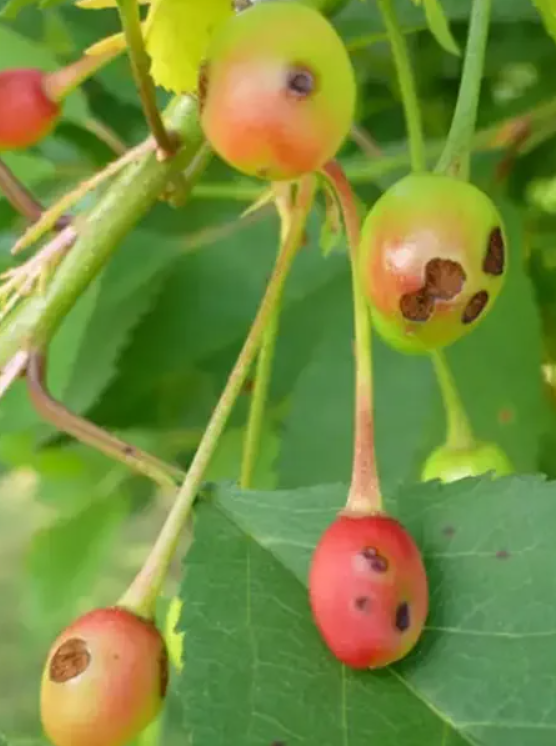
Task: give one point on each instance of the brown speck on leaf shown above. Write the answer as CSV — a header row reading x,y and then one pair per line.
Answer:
x,y
475,306
448,531
494,260
71,659
444,278
506,415
417,306
202,84
502,554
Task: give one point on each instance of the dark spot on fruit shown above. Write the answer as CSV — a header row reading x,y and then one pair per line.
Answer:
x,y
417,306
494,260
375,560
71,659
403,619
474,307
448,531
263,172
202,84
502,554
363,604
444,278
164,673
239,5
300,82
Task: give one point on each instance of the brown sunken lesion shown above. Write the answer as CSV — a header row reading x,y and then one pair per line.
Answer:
x,y
495,257
70,660
444,278
417,306
475,306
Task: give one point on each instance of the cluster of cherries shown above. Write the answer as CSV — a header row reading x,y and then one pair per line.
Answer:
x,y
277,97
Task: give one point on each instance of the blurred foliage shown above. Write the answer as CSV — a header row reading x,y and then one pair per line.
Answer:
x,y
148,347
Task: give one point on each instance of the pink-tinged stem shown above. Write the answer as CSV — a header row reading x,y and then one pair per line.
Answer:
x,y
364,494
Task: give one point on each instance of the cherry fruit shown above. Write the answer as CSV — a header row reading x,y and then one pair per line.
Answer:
x,y
277,93
433,260
368,590
104,681
450,464
27,114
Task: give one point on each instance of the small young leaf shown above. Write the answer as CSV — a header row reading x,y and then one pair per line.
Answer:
x,y
547,12
439,25
177,35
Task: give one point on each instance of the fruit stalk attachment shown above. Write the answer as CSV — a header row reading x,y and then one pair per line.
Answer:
x,y
408,87
455,159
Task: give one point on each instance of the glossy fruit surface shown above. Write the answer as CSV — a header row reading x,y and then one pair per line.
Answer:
x,y
278,91
368,590
451,464
26,113
433,261
104,680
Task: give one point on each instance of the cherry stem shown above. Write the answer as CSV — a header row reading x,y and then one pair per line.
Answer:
x,y
265,358
408,87
364,494
145,588
60,83
140,64
455,159
459,434
53,411
19,197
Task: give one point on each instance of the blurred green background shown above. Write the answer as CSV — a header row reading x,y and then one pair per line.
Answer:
x,y
148,347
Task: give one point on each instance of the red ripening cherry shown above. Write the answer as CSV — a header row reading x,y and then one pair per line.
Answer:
x,y
27,114
104,681
368,590
277,92
433,260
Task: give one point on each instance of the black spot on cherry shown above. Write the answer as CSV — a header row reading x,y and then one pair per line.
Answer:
x,y
403,618
376,561
475,306
363,604
494,260
300,82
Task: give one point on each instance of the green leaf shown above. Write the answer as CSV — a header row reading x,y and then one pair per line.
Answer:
x,y
547,12
177,37
256,671
65,558
439,26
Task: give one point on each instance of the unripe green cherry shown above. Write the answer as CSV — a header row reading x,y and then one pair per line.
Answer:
x,y
433,261
104,680
450,464
277,93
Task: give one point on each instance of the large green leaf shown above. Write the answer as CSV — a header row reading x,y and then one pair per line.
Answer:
x,y
257,673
